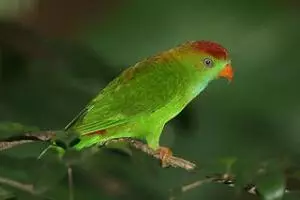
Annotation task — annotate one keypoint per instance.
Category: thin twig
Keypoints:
(223, 179)
(195, 184)
(70, 180)
(18, 185)
(190, 186)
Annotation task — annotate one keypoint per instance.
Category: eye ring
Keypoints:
(208, 62)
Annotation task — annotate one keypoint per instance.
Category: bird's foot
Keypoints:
(164, 154)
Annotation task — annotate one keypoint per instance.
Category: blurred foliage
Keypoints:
(56, 55)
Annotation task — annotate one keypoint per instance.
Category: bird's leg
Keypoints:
(164, 154)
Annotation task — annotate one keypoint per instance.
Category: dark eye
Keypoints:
(208, 62)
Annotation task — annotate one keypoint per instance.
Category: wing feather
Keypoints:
(138, 91)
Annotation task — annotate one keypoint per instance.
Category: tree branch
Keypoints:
(10, 144)
(172, 161)
(26, 138)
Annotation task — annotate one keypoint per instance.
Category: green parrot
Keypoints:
(139, 102)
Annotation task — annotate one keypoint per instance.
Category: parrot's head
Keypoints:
(211, 60)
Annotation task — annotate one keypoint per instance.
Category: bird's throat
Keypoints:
(199, 88)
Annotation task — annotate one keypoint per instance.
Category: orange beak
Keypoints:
(227, 72)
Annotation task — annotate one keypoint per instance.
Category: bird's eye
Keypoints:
(208, 62)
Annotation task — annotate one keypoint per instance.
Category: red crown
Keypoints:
(211, 48)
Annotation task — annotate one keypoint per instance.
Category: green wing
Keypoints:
(138, 91)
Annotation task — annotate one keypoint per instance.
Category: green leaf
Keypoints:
(271, 185)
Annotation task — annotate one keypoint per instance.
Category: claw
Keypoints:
(164, 154)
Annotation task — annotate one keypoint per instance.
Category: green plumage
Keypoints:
(145, 97)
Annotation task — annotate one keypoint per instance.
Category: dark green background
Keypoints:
(56, 56)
